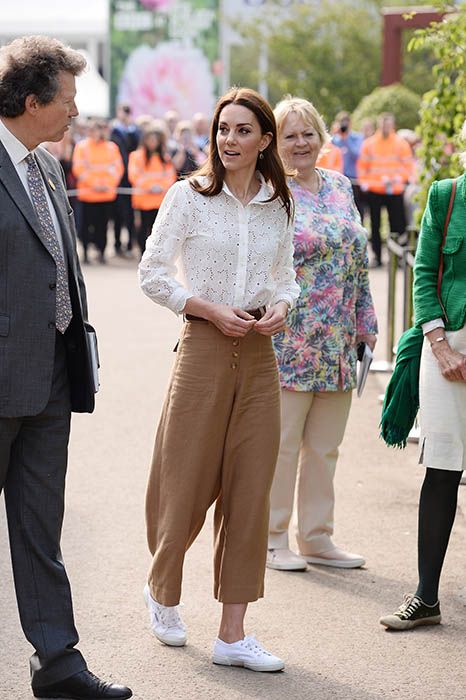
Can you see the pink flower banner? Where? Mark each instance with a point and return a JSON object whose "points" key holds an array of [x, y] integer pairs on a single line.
{"points": [[165, 55]]}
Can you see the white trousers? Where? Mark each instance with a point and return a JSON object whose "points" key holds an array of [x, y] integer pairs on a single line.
{"points": [[312, 429]]}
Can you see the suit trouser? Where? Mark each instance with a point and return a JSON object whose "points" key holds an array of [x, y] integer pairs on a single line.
{"points": [[217, 440], [33, 460], [396, 216], [313, 426]]}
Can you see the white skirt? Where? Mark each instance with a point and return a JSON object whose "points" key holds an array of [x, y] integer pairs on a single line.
{"points": [[442, 414]]}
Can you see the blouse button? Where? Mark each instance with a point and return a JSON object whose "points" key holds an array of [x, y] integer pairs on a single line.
{"points": [[236, 342], [233, 365], [235, 354]]}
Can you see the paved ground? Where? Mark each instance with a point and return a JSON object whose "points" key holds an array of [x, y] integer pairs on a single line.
{"points": [[323, 622]]}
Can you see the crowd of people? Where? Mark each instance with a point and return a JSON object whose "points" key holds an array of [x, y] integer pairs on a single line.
{"points": [[120, 171], [127, 185], [381, 165], [276, 300]]}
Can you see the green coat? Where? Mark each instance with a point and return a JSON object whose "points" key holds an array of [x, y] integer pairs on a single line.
{"points": [[453, 293]]}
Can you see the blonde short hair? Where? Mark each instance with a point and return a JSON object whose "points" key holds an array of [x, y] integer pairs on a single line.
{"points": [[305, 110]]}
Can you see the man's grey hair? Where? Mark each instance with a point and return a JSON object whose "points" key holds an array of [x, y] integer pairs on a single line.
{"points": [[31, 65]]}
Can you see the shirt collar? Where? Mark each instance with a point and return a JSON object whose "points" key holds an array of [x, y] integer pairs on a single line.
{"points": [[261, 197], [13, 146]]}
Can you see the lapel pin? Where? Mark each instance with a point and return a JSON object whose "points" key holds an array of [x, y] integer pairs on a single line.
{"points": [[51, 184]]}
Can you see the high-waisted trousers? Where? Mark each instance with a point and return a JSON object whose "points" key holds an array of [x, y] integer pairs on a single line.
{"points": [[217, 441]]}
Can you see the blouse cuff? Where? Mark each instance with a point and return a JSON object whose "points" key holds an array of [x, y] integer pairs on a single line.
{"points": [[431, 325], [178, 300], [283, 297]]}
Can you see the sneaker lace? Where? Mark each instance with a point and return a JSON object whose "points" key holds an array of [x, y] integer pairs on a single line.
{"points": [[168, 616], [251, 644], [408, 607]]}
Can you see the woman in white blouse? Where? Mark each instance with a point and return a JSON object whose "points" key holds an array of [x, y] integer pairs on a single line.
{"points": [[218, 437]]}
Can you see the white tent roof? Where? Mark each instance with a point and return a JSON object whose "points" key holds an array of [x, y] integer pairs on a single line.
{"points": [[60, 17], [92, 92]]}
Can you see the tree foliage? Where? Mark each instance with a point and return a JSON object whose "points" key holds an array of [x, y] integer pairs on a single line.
{"points": [[327, 51], [443, 108], [397, 99]]}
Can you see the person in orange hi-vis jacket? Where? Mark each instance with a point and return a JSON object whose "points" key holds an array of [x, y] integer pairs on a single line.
{"points": [[98, 168], [151, 173], [384, 169], [330, 158]]}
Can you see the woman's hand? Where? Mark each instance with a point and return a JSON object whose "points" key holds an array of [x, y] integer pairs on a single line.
{"points": [[368, 338], [273, 321], [230, 320], [452, 363]]}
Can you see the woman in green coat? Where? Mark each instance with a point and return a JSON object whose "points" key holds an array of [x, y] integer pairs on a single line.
{"points": [[442, 393]]}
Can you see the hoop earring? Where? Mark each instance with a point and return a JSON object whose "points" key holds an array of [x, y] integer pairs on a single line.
{"points": [[261, 155]]}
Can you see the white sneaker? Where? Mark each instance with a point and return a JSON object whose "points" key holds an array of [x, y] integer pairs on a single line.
{"points": [[165, 622], [336, 557], [247, 653], [285, 560]]}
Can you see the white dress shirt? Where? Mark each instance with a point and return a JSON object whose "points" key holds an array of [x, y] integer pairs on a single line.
{"points": [[229, 254], [18, 152]]}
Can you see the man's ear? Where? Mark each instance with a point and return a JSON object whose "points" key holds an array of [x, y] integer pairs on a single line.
{"points": [[31, 104]]}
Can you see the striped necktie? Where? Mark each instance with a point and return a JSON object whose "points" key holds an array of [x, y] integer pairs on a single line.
{"points": [[37, 190]]}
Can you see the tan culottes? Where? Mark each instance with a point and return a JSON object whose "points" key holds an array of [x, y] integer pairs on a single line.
{"points": [[217, 440]]}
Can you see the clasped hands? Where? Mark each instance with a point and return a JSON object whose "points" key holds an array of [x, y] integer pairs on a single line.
{"points": [[235, 322]]}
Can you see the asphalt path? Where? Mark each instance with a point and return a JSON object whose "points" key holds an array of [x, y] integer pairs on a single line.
{"points": [[323, 622]]}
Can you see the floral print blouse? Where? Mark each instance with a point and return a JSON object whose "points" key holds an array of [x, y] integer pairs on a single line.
{"points": [[317, 350]]}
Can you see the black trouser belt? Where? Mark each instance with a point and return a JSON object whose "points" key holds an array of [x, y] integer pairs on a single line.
{"points": [[257, 313]]}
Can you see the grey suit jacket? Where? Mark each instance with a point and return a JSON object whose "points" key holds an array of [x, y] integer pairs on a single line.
{"points": [[27, 297]]}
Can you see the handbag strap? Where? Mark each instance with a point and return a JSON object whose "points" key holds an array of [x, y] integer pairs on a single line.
{"points": [[444, 237]]}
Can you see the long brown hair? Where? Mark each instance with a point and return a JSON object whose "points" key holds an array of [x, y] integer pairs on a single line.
{"points": [[270, 165], [160, 149]]}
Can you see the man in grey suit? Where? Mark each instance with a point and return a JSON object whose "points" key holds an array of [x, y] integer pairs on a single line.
{"points": [[45, 370]]}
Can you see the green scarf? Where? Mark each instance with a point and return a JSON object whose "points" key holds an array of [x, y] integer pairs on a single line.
{"points": [[401, 402]]}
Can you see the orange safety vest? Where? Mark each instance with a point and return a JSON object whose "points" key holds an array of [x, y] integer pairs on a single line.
{"points": [[96, 165], [145, 176], [330, 158], [385, 165]]}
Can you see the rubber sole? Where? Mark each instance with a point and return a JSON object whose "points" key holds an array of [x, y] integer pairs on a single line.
{"points": [[177, 643], [394, 623], [337, 563], [285, 567], [226, 661], [60, 696]]}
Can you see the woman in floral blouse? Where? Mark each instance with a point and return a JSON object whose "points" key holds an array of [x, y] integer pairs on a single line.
{"points": [[316, 352]]}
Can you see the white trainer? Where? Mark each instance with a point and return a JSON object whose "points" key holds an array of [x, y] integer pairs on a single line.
{"points": [[247, 653], [285, 560], [336, 557], [165, 621]]}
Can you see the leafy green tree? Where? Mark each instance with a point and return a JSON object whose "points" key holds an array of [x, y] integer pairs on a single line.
{"points": [[314, 51], [443, 108], [328, 51], [397, 99]]}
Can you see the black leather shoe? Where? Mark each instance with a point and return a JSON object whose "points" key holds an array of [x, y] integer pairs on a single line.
{"points": [[83, 686]]}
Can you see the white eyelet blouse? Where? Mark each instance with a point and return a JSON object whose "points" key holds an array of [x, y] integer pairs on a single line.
{"points": [[228, 253]]}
